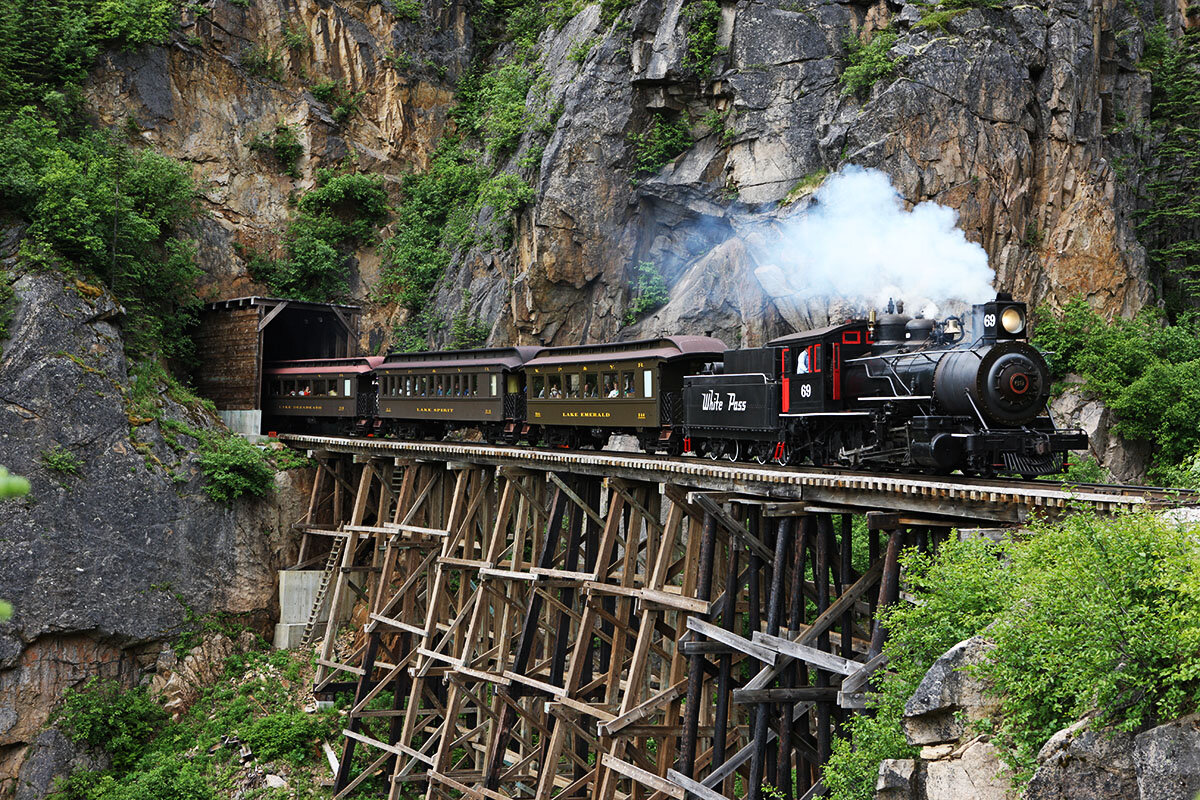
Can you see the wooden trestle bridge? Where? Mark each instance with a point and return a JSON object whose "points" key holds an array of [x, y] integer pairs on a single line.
{"points": [[550, 624]]}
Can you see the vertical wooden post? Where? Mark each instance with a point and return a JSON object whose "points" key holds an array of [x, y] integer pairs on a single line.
{"points": [[687, 750]]}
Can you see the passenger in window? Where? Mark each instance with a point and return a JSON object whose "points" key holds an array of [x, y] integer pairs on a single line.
{"points": [[628, 386], [611, 390]]}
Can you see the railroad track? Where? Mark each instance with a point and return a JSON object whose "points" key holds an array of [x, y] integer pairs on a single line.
{"points": [[952, 498]]}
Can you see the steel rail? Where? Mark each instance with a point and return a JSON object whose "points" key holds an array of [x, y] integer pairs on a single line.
{"points": [[954, 498]]}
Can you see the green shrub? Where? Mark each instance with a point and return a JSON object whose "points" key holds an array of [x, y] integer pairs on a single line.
{"points": [[8, 302], [136, 22], [286, 458], [284, 147], [649, 291], [45, 46], [114, 212], [432, 223], [409, 10], [466, 331], [263, 61], [343, 210], [1087, 615], [295, 37], [1147, 372], [288, 736], [60, 459], [502, 116], [611, 9], [867, 63], [1168, 217], [580, 49], [103, 715], [233, 467], [703, 19], [344, 103], [661, 143], [505, 193]]}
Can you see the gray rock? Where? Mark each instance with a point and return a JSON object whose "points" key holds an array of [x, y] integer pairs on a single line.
{"points": [[52, 756], [1168, 760], [948, 697], [1080, 763], [1125, 461], [103, 564], [897, 780]]}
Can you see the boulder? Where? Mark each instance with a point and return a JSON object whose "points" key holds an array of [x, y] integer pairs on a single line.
{"points": [[1168, 760], [1082, 763], [976, 774], [897, 780], [948, 697], [52, 756]]}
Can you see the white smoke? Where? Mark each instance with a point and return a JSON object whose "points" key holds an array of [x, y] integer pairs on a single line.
{"points": [[857, 246]]}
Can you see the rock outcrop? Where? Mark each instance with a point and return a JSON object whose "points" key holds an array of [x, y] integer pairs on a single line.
{"points": [[1081, 762], [1125, 461], [109, 553], [1004, 114], [955, 762]]}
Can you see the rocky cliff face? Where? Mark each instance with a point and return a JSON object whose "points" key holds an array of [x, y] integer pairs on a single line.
{"points": [[1004, 114], [109, 553]]}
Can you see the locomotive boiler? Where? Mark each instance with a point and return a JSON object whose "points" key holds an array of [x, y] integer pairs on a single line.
{"points": [[891, 392]]}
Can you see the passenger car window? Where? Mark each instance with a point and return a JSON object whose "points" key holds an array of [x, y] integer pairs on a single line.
{"points": [[573, 386], [555, 387], [627, 387], [539, 387], [589, 386], [647, 383], [610, 385]]}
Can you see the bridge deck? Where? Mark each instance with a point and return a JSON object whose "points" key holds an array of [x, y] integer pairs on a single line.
{"points": [[949, 497]]}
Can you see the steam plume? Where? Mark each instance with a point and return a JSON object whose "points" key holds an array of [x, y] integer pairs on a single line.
{"points": [[857, 246]]}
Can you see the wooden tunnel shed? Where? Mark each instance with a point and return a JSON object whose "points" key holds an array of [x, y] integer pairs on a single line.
{"points": [[237, 336]]}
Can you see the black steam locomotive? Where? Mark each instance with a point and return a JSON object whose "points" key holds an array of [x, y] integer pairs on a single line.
{"points": [[888, 393]]}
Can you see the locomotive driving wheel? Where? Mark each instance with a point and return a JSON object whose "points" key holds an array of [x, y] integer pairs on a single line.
{"points": [[733, 450]]}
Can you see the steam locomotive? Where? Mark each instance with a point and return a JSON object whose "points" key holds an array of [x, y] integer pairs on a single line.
{"points": [[889, 392]]}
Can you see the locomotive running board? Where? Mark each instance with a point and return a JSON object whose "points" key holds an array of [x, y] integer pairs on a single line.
{"points": [[831, 414]]}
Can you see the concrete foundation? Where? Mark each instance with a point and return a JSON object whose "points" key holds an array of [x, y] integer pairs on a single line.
{"points": [[247, 422], [297, 592]]}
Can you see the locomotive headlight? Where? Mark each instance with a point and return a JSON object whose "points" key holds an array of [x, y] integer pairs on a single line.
{"points": [[1012, 320]]}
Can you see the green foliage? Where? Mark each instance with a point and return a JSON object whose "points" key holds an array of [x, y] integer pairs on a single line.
{"points": [[342, 211], [1087, 615], [263, 61], [433, 222], [611, 9], [1170, 217], [60, 459], [505, 193], [295, 38], [703, 19], [580, 49], [255, 701], [1147, 372], [284, 736], [961, 590], [283, 145], [408, 10], [286, 458], [136, 22], [649, 291], [114, 212], [12, 485], [867, 62], [45, 46], [466, 331], [233, 467], [343, 103], [8, 302], [102, 715], [661, 143], [500, 116]]}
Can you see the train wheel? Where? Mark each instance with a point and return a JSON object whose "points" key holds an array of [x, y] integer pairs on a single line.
{"points": [[733, 449], [760, 454], [712, 450]]}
